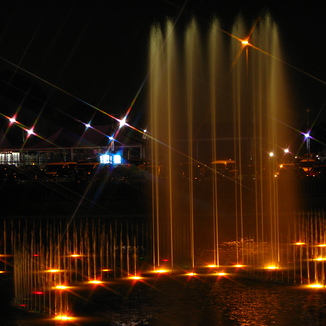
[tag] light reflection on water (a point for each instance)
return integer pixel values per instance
(180, 300)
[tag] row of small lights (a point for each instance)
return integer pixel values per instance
(87, 126)
(96, 282)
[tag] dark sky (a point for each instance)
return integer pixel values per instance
(97, 50)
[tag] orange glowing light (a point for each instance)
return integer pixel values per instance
(320, 259)
(191, 274)
(61, 287)
(212, 266)
(135, 277)
(160, 271)
(245, 42)
(2, 272)
(64, 317)
(299, 243)
(75, 255)
(95, 282)
(221, 273)
(315, 286)
(53, 270)
(106, 270)
(271, 267)
(239, 265)
(322, 245)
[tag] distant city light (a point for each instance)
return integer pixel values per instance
(106, 159)
(271, 154)
(307, 135)
(245, 42)
(111, 159)
(87, 125)
(122, 122)
(30, 131)
(117, 159)
(286, 150)
(12, 120)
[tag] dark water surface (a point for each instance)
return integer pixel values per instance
(181, 300)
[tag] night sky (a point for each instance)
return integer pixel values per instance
(97, 51)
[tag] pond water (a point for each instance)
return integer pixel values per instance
(183, 300)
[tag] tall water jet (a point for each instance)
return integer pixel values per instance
(213, 97)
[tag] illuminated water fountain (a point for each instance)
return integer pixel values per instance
(54, 259)
(215, 95)
(54, 266)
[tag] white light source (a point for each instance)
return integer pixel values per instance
(122, 122)
(30, 132)
(106, 159)
(117, 159)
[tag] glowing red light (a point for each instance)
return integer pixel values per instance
(37, 292)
